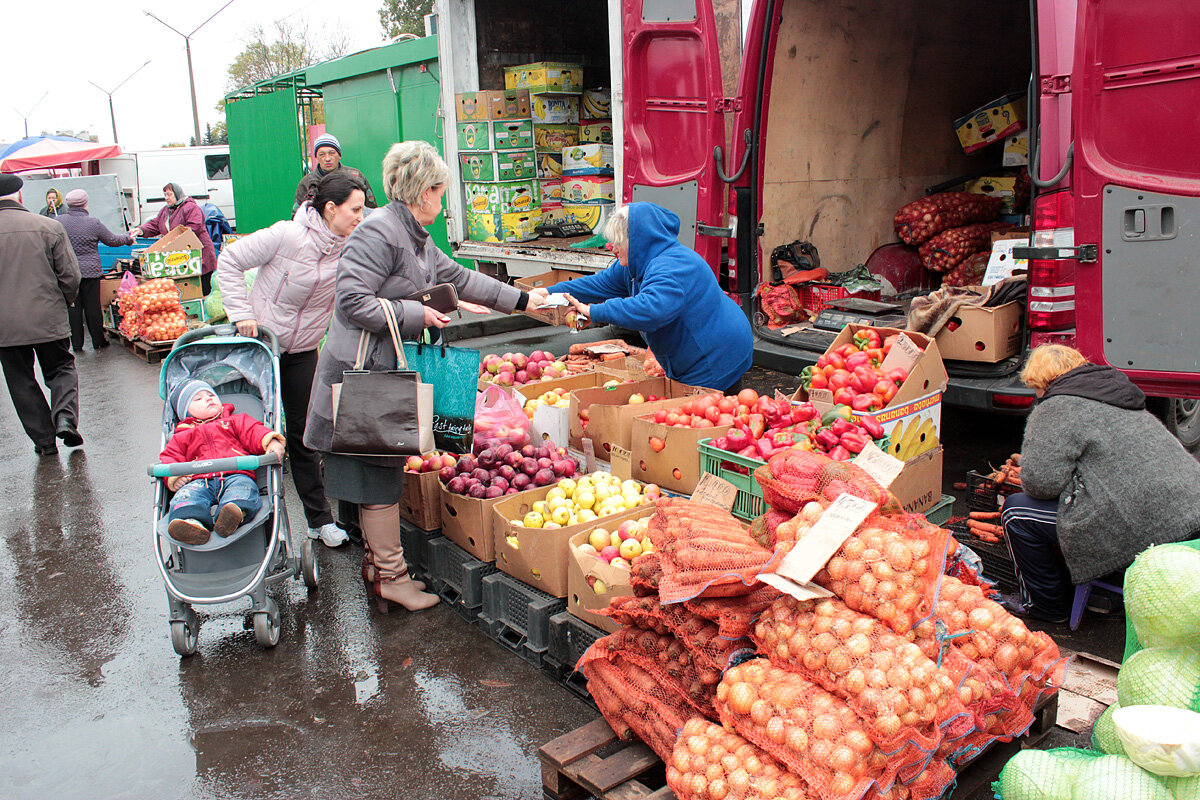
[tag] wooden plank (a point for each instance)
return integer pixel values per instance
(664, 793)
(578, 743)
(618, 768)
(630, 790)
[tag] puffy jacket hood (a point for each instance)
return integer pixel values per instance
(326, 241)
(652, 229)
(1098, 382)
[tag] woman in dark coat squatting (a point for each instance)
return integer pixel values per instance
(669, 294)
(390, 256)
(1102, 480)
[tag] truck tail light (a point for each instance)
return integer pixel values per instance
(1052, 281)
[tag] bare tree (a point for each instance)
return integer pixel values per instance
(294, 47)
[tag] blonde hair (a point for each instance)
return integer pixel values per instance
(1048, 362)
(411, 168)
(616, 230)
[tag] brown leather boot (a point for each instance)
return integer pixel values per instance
(381, 533)
(369, 573)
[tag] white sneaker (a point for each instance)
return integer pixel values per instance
(330, 534)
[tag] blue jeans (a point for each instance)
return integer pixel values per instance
(1031, 528)
(197, 500)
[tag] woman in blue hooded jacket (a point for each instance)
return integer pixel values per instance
(669, 294)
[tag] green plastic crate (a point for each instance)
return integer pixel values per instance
(940, 513)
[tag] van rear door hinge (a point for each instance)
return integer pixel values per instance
(729, 105)
(1084, 253)
(1056, 84)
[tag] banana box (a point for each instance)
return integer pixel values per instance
(588, 159)
(587, 189)
(555, 109)
(492, 104)
(484, 227)
(498, 165)
(552, 213)
(476, 135)
(545, 76)
(510, 197)
(549, 165)
(913, 428)
(594, 215)
(553, 138)
(551, 189)
(597, 103)
(512, 134)
(595, 130)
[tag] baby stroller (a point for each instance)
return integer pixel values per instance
(245, 373)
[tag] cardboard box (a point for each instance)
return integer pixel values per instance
(498, 165)
(195, 309)
(594, 215)
(588, 159)
(991, 122)
(550, 423)
(538, 556)
(918, 487)
(676, 467)
(421, 501)
(1016, 150)
(550, 188)
(476, 135)
(1003, 187)
(108, 290)
(175, 255)
(596, 130)
(587, 189)
(1001, 263)
(583, 601)
(189, 288)
(982, 334)
(553, 212)
(549, 166)
(597, 104)
(558, 314)
(515, 227)
(545, 76)
(492, 104)
(513, 134)
(555, 109)
(509, 197)
(610, 414)
(553, 138)
(467, 522)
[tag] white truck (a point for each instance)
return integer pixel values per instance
(203, 172)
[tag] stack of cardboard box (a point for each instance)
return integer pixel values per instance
(588, 188)
(554, 89)
(498, 163)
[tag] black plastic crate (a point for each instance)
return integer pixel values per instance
(518, 615)
(570, 637)
(456, 574)
(982, 492)
(996, 557)
(416, 548)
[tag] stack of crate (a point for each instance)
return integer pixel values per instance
(588, 190)
(499, 168)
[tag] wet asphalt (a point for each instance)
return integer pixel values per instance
(94, 703)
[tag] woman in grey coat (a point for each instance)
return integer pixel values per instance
(389, 256)
(1102, 478)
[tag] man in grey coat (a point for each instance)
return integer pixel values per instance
(39, 278)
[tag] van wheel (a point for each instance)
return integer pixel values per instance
(1181, 416)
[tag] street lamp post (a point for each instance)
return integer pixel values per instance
(30, 114)
(187, 40)
(112, 113)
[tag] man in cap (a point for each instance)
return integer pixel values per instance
(327, 153)
(85, 232)
(39, 278)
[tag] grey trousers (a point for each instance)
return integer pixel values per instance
(58, 373)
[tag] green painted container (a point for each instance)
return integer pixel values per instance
(498, 165)
(195, 308)
(476, 135)
(510, 197)
(515, 134)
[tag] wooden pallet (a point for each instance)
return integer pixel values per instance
(150, 352)
(592, 762)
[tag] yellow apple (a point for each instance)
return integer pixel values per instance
(533, 519)
(599, 539)
(647, 545)
(539, 506)
(555, 493)
(631, 549)
(584, 498)
(561, 515)
(614, 539)
(551, 524)
(587, 515)
(637, 398)
(599, 587)
(568, 487)
(514, 542)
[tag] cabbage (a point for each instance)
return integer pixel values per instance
(213, 306)
(1104, 733)
(1161, 739)
(1037, 775)
(1162, 596)
(1166, 676)
(1118, 778)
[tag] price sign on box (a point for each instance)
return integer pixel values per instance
(878, 464)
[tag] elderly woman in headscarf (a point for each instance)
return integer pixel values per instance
(183, 210)
(54, 204)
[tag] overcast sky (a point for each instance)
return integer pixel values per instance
(57, 46)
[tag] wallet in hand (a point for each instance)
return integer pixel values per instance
(443, 297)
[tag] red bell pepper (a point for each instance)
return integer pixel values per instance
(864, 402)
(757, 425)
(840, 379)
(866, 338)
(864, 380)
(859, 359)
(839, 453)
(871, 426)
(721, 443)
(749, 451)
(897, 376)
(803, 412)
(846, 350)
(876, 355)
(783, 439)
(765, 448)
(826, 440)
(841, 426)
(844, 396)
(836, 360)
(854, 441)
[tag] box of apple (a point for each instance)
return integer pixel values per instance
(595, 574)
(419, 502)
(573, 502)
(618, 546)
(503, 470)
(518, 369)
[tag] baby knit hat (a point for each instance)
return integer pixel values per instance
(183, 393)
(327, 140)
(77, 198)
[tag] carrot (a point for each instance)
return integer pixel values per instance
(984, 527)
(1016, 459)
(982, 515)
(960, 485)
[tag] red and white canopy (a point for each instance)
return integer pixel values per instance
(42, 152)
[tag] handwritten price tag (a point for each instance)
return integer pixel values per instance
(878, 464)
(904, 354)
(715, 491)
(822, 399)
(825, 538)
(619, 462)
(800, 591)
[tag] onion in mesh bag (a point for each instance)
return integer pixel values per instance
(1162, 596)
(1167, 676)
(1110, 777)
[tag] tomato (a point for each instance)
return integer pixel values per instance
(672, 418)
(727, 405)
(712, 413)
(742, 410)
(660, 416)
(748, 398)
(725, 419)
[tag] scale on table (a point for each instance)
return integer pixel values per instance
(856, 311)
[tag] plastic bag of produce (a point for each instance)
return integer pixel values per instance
(1109, 777)
(1185, 788)
(499, 418)
(1161, 739)
(1042, 774)
(711, 762)
(1168, 676)
(1162, 596)
(214, 307)
(1104, 733)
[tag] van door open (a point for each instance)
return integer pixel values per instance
(672, 85)
(1137, 190)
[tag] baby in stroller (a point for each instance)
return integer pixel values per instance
(209, 430)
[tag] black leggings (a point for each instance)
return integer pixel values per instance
(296, 372)
(87, 307)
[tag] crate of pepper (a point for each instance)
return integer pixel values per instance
(735, 455)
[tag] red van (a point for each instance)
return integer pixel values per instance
(843, 112)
